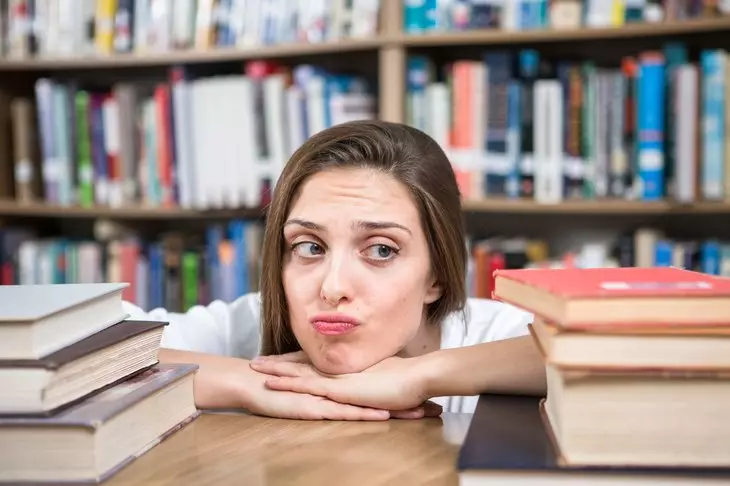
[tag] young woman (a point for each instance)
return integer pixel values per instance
(362, 313)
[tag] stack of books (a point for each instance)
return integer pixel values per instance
(83, 393)
(638, 377)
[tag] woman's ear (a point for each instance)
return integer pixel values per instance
(434, 292)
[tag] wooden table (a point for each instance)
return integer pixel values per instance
(247, 450)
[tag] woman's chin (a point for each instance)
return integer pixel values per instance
(337, 364)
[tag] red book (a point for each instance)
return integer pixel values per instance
(625, 297)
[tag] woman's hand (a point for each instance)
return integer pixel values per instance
(392, 384)
(222, 382)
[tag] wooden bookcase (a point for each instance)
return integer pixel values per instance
(384, 58)
(391, 47)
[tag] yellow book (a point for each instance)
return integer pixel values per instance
(618, 13)
(104, 26)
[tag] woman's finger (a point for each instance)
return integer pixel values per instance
(341, 411)
(313, 385)
(282, 368)
(323, 409)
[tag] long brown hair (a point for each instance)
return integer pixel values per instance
(410, 156)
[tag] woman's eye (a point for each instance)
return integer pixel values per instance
(381, 252)
(308, 249)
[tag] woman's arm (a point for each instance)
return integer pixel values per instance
(229, 383)
(221, 382)
(512, 365)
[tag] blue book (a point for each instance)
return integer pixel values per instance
(417, 77)
(663, 253)
(237, 232)
(651, 126)
(710, 257)
(713, 123)
(413, 16)
(213, 238)
(429, 15)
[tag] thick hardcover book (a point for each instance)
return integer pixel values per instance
(100, 435)
(37, 320)
(105, 338)
(620, 298)
(509, 440)
(43, 386)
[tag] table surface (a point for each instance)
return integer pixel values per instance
(243, 449)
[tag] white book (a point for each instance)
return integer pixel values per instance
(184, 141)
(685, 132)
(438, 105)
(548, 124)
(277, 136)
(251, 24)
(36, 320)
(364, 21)
(183, 23)
(202, 122)
(296, 114)
(142, 19)
(316, 106)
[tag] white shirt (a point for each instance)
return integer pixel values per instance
(233, 329)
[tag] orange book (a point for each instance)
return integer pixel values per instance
(618, 298)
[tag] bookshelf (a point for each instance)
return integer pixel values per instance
(12, 209)
(382, 59)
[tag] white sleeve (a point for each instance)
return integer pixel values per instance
(490, 320)
(228, 329)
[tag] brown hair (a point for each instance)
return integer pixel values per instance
(406, 153)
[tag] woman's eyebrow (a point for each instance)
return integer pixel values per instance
(304, 223)
(361, 225)
(379, 225)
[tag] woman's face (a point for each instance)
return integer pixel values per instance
(357, 269)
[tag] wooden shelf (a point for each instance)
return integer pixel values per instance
(499, 36)
(15, 210)
(190, 56)
(597, 207)
(10, 209)
(476, 37)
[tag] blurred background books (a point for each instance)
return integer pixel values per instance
(140, 140)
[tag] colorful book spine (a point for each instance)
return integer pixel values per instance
(651, 125)
(85, 165)
(713, 133)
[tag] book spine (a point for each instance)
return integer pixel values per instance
(651, 126)
(713, 104)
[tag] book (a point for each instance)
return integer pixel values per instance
(618, 298)
(690, 348)
(96, 438)
(70, 374)
(639, 417)
(37, 320)
(509, 442)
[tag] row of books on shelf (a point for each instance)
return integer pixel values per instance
(179, 271)
(84, 394)
(59, 28)
(195, 141)
(428, 16)
(176, 271)
(520, 124)
(643, 247)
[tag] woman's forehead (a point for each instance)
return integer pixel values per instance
(359, 194)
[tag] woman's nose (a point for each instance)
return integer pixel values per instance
(337, 282)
